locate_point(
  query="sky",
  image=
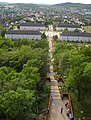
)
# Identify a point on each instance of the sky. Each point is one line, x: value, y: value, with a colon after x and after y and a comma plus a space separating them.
x: 47, y: 1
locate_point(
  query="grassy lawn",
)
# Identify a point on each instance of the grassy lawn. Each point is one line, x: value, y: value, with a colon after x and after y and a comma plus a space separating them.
x: 87, y: 29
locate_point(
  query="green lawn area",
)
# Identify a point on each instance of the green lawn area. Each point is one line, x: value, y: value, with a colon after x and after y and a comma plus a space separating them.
x: 87, y: 29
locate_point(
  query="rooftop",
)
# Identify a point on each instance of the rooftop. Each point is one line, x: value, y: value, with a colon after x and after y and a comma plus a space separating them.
x: 26, y: 32
x: 69, y: 26
x: 84, y: 34
x: 32, y: 24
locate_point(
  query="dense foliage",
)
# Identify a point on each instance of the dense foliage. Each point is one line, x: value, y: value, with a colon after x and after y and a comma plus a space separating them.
x: 73, y: 62
x: 23, y: 68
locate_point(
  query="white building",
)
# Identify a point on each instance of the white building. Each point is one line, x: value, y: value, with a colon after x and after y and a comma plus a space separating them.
x: 70, y: 27
x: 75, y: 36
x: 32, y: 26
x: 21, y: 34
x: 88, y: 13
x: 6, y: 27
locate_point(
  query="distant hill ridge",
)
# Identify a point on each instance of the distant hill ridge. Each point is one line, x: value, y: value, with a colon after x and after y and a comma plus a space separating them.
x: 70, y: 4
x: 3, y: 2
x: 67, y: 4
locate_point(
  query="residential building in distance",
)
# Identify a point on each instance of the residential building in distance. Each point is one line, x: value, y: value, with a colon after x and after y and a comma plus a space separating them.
x: 23, y: 34
x: 70, y: 27
x: 75, y: 36
x: 6, y: 27
x: 32, y: 26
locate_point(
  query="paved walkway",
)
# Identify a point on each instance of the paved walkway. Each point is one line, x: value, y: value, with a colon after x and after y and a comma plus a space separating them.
x: 56, y: 103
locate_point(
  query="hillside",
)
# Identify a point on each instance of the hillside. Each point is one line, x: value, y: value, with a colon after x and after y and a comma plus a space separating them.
x: 61, y: 5
x: 73, y: 5
x: 3, y: 3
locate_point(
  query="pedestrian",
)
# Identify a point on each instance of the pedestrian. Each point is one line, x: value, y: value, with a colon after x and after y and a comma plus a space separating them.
x: 51, y: 96
x: 62, y: 97
x: 61, y: 110
x: 68, y: 107
x: 66, y: 104
x: 70, y: 116
x: 68, y: 112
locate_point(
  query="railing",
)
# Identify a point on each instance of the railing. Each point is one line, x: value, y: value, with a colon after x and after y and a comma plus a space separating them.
x: 71, y: 108
x: 48, y: 110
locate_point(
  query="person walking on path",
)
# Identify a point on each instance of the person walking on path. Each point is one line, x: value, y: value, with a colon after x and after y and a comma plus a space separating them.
x: 68, y: 112
x: 51, y: 96
x: 66, y: 104
x: 61, y: 110
x: 70, y: 116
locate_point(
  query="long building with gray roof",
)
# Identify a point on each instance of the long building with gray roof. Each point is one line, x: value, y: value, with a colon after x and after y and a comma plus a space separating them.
x: 75, y: 36
x: 70, y: 27
x: 32, y: 26
x: 26, y: 34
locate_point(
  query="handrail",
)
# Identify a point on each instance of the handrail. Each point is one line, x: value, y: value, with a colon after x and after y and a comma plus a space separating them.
x: 70, y: 104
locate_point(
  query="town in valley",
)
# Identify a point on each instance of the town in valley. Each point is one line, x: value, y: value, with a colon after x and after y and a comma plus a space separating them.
x: 45, y: 61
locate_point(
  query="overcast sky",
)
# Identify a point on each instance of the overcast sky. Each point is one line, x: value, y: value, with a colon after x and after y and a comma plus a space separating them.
x: 47, y: 1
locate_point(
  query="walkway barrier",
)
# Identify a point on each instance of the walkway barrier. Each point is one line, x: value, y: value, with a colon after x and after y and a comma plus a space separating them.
x: 70, y: 104
x: 48, y: 110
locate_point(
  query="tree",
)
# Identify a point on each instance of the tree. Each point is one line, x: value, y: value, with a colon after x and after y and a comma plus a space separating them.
x: 87, y: 78
x: 3, y: 32
x: 66, y: 30
x: 87, y: 71
x: 23, y: 64
x: 17, y: 105
x: 73, y: 60
x: 43, y: 36
x: 30, y: 72
x: 55, y: 38
x: 76, y: 30
x: 3, y: 74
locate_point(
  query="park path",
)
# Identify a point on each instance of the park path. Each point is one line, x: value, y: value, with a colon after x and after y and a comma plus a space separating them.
x: 56, y: 103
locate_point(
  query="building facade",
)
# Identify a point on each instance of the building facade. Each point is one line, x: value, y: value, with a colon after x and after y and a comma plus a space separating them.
x: 74, y: 36
x: 70, y: 27
x: 23, y: 34
x: 32, y: 26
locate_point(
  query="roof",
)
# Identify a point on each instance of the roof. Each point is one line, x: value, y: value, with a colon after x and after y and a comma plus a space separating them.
x: 76, y: 34
x: 33, y: 24
x: 69, y: 26
x: 26, y: 32
x: 6, y: 26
